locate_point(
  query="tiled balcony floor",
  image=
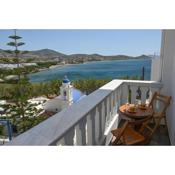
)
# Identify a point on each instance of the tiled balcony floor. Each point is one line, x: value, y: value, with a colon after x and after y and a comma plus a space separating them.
x: 160, y: 137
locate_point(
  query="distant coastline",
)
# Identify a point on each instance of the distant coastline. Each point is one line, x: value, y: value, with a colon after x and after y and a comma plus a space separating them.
x: 57, y: 66
x: 48, y: 55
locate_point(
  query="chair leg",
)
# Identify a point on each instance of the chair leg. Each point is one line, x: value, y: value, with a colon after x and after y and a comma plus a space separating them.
x: 165, y: 122
x: 166, y: 126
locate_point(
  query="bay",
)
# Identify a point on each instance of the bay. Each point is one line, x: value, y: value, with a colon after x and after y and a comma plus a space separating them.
x: 96, y: 70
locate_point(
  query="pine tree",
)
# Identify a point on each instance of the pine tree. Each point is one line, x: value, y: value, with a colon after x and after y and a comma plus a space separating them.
x: 21, y: 110
x: 15, y: 43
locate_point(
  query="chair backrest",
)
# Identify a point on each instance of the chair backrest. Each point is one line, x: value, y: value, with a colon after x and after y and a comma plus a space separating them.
x: 159, y: 103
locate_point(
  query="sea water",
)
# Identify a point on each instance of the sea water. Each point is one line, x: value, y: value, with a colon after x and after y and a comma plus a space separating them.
x: 96, y: 70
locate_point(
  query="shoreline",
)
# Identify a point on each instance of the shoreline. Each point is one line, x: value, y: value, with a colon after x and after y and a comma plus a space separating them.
x: 65, y: 65
x: 52, y: 67
x: 83, y: 71
x: 60, y: 66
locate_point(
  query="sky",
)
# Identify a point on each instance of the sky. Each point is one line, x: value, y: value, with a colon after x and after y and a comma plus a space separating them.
x: 105, y: 42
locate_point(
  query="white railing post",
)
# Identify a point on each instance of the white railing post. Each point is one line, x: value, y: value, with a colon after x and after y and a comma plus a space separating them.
x: 80, y: 131
x: 101, y: 132
x: 69, y: 137
x: 89, y: 131
x: 144, y: 91
x: 115, y: 102
x: 107, y: 112
x: 97, y: 126
x: 152, y: 91
x: 124, y: 93
x: 103, y: 117
x: 120, y: 95
x: 133, y: 93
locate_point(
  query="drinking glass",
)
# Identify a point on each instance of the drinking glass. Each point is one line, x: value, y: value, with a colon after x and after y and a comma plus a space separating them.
x: 127, y: 106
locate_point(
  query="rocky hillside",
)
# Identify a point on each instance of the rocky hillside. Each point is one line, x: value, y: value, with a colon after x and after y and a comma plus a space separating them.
x: 51, y: 55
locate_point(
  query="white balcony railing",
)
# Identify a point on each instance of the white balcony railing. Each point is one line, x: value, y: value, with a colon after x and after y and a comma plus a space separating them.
x: 89, y: 121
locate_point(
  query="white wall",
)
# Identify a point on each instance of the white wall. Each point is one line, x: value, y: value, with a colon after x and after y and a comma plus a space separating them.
x: 55, y: 105
x: 156, y: 69
x: 168, y: 77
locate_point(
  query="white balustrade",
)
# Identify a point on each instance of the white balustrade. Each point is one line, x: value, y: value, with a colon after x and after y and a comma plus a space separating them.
x: 144, y: 91
x: 133, y: 93
x: 125, y: 93
x: 61, y: 142
x: 103, y: 120
x: 89, y: 121
x: 108, y: 112
x: 97, y: 126
x: 80, y: 131
x: 69, y: 137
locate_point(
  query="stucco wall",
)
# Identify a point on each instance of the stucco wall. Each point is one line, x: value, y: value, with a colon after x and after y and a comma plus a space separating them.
x: 55, y: 105
x: 156, y: 69
x: 168, y: 77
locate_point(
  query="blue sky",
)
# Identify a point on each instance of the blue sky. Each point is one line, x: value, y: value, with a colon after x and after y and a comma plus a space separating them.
x: 105, y: 42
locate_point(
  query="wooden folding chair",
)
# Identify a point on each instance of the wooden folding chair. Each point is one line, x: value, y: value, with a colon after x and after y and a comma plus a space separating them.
x: 127, y: 135
x: 159, y: 103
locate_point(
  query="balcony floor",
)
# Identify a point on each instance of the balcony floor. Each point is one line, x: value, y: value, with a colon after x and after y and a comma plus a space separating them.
x: 160, y: 137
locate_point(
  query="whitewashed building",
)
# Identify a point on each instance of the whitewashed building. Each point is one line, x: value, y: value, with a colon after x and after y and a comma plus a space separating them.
x: 13, y: 66
x: 163, y: 70
x: 68, y: 96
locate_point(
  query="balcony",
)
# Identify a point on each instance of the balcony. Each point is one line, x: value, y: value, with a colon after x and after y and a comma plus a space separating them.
x: 89, y: 121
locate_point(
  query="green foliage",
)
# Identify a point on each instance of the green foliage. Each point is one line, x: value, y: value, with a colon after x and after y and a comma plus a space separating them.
x: 11, y: 44
x: 46, y: 64
x: 7, y: 91
x: 24, y: 52
x: 47, y: 89
x: 20, y: 110
x: 136, y: 77
x: 21, y: 113
x: 20, y: 43
x: 15, y: 37
x: 30, y: 122
x: 89, y: 85
x: 51, y: 88
x: 8, y: 51
x: 1, y: 130
x: 16, y: 71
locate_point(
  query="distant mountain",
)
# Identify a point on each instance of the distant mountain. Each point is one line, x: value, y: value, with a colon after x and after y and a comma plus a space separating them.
x: 43, y: 55
x: 142, y: 57
x: 47, y: 52
x: 52, y: 55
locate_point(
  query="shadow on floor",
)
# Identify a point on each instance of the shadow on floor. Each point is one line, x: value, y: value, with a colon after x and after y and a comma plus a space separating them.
x: 160, y: 137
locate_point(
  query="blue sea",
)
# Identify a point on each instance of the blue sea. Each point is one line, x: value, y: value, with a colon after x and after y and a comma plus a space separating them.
x: 96, y: 70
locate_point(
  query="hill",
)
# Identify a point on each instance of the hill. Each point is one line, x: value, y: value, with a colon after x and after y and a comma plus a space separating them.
x: 52, y: 55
